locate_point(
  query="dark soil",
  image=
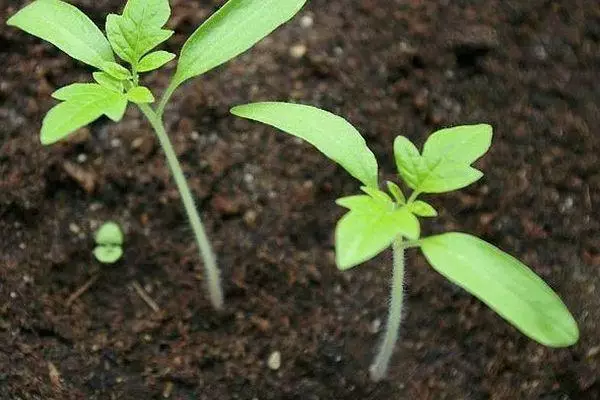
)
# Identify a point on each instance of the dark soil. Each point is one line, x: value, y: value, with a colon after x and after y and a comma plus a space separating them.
x: 530, y: 68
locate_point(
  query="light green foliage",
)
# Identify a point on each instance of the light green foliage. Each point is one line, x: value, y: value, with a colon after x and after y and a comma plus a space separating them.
x: 117, y: 71
x: 83, y: 103
x: 332, y: 135
x: 445, y: 163
x: 370, y: 227
x: 375, y: 220
x: 108, y: 81
x: 504, y: 284
x: 154, y: 60
x: 396, y: 192
x: 109, y: 241
x: 236, y: 27
x: 139, y: 29
x: 140, y: 95
x: 422, y: 209
x: 67, y: 28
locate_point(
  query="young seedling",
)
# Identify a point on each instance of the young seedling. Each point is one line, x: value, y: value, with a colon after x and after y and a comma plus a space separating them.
x: 133, y: 35
x: 109, y: 242
x: 376, y: 220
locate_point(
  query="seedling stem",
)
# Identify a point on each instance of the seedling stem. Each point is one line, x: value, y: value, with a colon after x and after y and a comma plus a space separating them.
x: 206, y: 252
x: 378, y: 369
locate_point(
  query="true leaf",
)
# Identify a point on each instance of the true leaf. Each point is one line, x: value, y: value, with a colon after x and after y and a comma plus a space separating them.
x: 422, y: 209
x: 233, y: 29
x: 154, y: 60
x: 504, y: 284
x: 330, y: 134
x: 84, y: 103
x: 359, y: 201
x: 379, y: 196
x: 115, y: 70
x: 140, y: 95
x: 67, y: 28
x: 396, y: 192
x: 368, y: 229
x: 109, y: 234
x: 108, y: 81
x: 108, y: 254
x: 139, y: 29
x: 445, y: 162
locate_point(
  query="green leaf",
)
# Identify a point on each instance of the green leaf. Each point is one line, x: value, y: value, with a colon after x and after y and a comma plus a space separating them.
x: 140, y: 95
x: 381, y: 197
x: 108, y: 81
x: 396, y: 192
x: 108, y: 254
x: 330, y: 134
x: 67, y: 28
x: 422, y: 209
x: 445, y: 162
x: 115, y: 70
x: 139, y: 29
x: 233, y: 29
x: 368, y: 229
x: 359, y: 201
x: 504, y: 284
x: 84, y: 103
x: 154, y: 60
x: 109, y: 234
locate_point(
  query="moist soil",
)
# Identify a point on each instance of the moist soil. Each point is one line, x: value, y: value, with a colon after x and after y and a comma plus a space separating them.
x: 530, y: 68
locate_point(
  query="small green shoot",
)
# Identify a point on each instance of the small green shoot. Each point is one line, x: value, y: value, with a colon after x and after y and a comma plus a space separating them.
x: 376, y: 221
x: 109, y: 242
x: 132, y: 36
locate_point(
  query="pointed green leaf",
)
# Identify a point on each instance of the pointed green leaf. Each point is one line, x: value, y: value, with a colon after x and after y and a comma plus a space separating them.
x: 504, y: 284
x: 108, y: 81
x: 139, y: 29
x: 445, y: 162
x: 233, y: 29
x: 109, y: 234
x: 154, y: 60
x: 359, y: 201
x: 366, y: 231
x: 108, y: 254
x: 458, y: 145
x: 396, y: 192
x: 67, y: 28
x: 84, y: 103
x: 380, y: 196
x: 409, y: 162
x: 115, y: 70
x: 330, y: 134
x: 422, y: 209
x: 140, y: 95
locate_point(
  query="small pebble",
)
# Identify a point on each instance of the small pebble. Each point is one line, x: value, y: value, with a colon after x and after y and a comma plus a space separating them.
x: 22, y: 246
x: 298, y: 51
x: 375, y: 326
x: 274, y: 361
x: 81, y: 158
x: 74, y: 228
x: 306, y: 21
x: 115, y: 143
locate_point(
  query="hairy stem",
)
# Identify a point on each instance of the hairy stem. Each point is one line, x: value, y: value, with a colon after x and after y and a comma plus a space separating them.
x: 378, y: 369
x: 210, y: 264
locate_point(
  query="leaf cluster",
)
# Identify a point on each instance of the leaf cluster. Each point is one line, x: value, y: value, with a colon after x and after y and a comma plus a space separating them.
x: 375, y: 219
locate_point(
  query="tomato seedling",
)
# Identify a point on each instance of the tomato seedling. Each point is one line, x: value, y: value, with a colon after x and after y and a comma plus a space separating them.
x: 377, y: 220
x: 109, y: 242
x: 133, y: 36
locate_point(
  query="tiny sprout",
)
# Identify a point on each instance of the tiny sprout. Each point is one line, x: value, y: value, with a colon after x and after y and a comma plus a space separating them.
x: 376, y: 221
x: 132, y: 37
x: 109, y: 242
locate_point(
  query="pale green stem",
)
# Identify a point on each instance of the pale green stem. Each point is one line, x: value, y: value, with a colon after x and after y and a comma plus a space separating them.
x: 210, y: 264
x: 378, y: 369
x: 165, y: 98
x: 413, y: 197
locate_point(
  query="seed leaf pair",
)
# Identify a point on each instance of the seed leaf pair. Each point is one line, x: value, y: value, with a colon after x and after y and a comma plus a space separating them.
x: 109, y: 242
x: 375, y: 220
